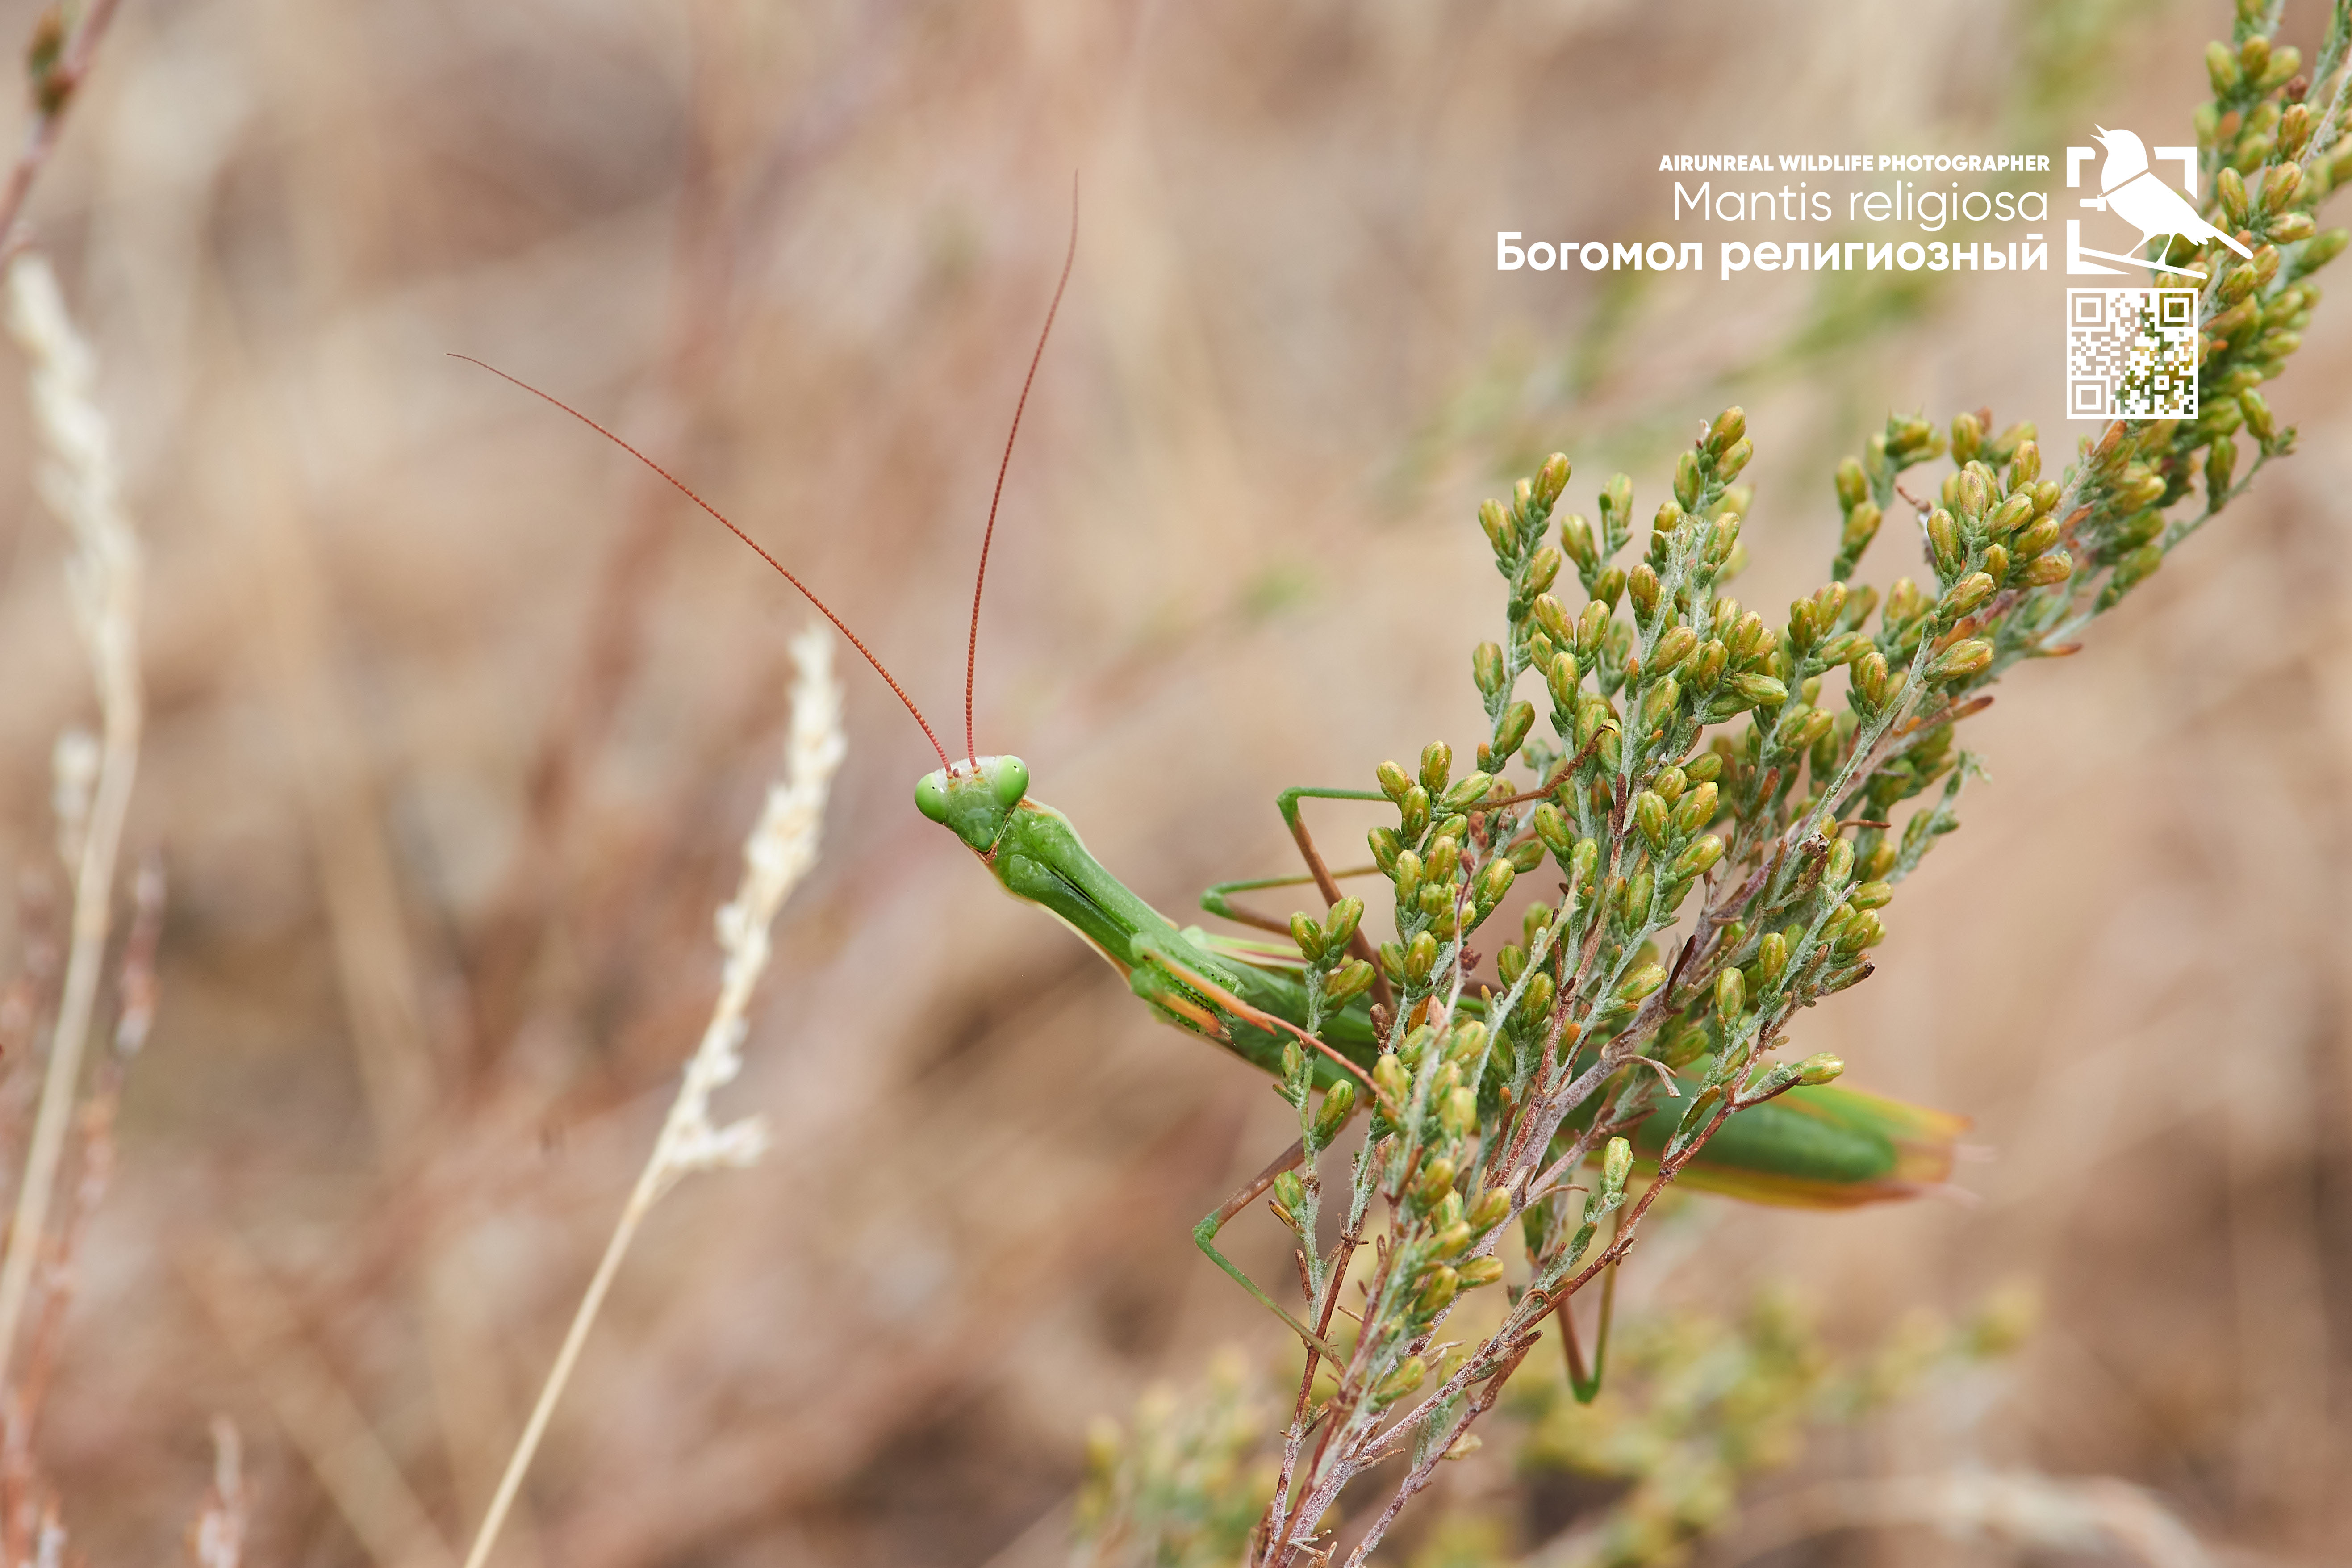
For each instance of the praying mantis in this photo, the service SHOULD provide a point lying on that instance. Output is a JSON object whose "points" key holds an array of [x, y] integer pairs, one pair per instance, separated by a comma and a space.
{"points": [[1814, 1144]]}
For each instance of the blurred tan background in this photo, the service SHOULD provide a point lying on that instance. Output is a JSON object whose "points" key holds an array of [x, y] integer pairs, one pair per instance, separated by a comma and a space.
{"points": [[457, 722]]}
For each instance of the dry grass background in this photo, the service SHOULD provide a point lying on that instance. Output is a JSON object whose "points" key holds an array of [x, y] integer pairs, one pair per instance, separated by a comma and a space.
{"points": [[457, 723]]}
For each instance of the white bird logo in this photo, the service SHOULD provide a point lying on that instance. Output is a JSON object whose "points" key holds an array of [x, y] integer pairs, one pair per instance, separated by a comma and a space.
{"points": [[2139, 197]]}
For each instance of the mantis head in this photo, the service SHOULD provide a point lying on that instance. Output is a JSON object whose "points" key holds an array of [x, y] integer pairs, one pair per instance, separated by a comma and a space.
{"points": [[974, 800]]}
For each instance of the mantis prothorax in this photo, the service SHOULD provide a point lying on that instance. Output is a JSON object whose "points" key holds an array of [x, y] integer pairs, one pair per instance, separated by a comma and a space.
{"points": [[1820, 1146]]}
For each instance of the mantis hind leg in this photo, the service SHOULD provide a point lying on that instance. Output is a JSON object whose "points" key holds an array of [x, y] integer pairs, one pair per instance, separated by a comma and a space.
{"points": [[1581, 1383], [1204, 1237], [1325, 880]]}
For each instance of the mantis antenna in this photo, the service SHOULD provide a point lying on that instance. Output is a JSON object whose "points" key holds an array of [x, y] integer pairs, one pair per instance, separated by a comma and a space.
{"points": [[683, 488], [980, 578]]}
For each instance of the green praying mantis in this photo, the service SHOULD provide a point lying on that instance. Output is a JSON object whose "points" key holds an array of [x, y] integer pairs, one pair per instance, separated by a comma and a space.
{"points": [[1815, 1145]]}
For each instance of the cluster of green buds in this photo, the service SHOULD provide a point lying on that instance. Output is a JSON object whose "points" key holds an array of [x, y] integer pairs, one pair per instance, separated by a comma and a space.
{"points": [[1722, 793]]}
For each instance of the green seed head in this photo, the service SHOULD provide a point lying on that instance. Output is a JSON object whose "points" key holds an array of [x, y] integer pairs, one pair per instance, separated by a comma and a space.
{"points": [[974, 804]]}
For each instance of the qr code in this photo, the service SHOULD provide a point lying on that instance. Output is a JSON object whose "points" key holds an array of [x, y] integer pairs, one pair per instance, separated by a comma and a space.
{"points": [[2131, 353]]}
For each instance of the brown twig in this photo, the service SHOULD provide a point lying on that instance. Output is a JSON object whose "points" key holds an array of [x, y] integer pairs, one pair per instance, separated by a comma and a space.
{"points": [[54, 87]]}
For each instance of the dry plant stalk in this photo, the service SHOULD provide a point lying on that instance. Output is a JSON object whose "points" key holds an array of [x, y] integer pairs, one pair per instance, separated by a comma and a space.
{"points": [[781, 847], [103, 574]]}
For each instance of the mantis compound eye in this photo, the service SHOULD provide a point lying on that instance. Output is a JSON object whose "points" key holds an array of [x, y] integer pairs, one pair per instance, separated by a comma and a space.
{"points": [[1009, 780], [931, 795]]}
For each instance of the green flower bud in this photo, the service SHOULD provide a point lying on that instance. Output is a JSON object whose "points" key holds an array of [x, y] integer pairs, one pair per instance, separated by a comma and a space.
{"points": [[2031, 542], [1561, 681], [2321, 248], [1672, 647], [1420, 958], [1436, 767], [1700, 857], [1659, 703], [1853, 485], [1696, 809], [2044, 570], [1642, 981], [1457, 1112], [2255, 56], [1641, 584], [1967, 594], [2287, 230], [1758, 690], [1686, 481], [1497, 524], [1616, 1164], [1493, 880], [1963, 658], [1413, 812], [1309, 935], [1293, 1059], [1408, 878], [1468, 791], [2222, 66], [1518, 720], [1444, 859], [1872, 896], [1707, 667], [1550, 480], [1543, 570], [1553, 616], [1730, 996], [1819, 1069], [1771, 958], [1728, 427], [1511, 963], [2024, 466], [1348, 982], [1407, 1377], [1968, 434], [1340, 924], [1438, 1291], [2258, 416], [1436, 1180], [1394, 783], [1536, 1003], [1576, 538], [1493, 1208], [2280, 184], [1581, 863], [1944, 542], [1552, 828], [1383, 842], [1486, 667], [2231, 187], [1479, 1271], [1860, 527], [1859, 931], [1436, 901], [1727, 467], [1392, 955]]}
